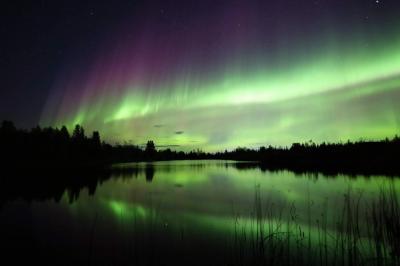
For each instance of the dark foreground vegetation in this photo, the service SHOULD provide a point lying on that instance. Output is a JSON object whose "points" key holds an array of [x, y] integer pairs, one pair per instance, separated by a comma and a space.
{"points": [[360, 235], [57, 148]]}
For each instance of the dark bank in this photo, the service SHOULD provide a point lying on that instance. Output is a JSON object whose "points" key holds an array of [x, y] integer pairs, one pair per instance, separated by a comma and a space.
{"points": [[45, 148]]}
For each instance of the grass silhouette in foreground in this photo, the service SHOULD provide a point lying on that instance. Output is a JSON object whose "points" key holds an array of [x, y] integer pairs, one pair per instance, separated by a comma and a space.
{"points": [[57, 148], [361, 235]]}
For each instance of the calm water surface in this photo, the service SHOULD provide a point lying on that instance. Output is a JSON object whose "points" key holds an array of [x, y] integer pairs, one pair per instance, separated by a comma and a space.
{"points": [[189, 212]]}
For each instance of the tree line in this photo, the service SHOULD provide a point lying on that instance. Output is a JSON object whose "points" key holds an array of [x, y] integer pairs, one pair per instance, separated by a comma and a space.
{"points": [[56, 147]]}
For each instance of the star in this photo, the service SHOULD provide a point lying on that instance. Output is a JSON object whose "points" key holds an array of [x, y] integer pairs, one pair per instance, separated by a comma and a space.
{"points": [[377, 1]]}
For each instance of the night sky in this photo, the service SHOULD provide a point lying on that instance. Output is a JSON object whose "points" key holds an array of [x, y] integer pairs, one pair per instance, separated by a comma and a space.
{"points": [[204, 74]]}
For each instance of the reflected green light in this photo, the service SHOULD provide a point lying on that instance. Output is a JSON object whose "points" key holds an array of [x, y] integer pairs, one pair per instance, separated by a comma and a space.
{"points": [[221, 200], [125, 210]]}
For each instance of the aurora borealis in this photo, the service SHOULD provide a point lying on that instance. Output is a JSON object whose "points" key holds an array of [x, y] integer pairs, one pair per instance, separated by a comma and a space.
{"points": [[220, 74]]}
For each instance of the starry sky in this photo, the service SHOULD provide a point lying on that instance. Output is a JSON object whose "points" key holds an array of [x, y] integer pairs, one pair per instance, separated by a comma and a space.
{"points": [[208, 75]]}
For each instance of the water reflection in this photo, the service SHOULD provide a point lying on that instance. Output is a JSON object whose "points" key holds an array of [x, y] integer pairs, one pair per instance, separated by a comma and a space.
{"points": [[188, 212], [149, 171]]}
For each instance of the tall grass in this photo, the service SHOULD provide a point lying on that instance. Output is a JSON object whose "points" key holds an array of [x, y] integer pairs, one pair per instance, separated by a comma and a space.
{"points": [[360, 235]]}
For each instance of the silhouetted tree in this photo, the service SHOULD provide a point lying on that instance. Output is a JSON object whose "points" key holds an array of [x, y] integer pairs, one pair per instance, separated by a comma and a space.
{"points": [[7, 127], [150, 150], [96, 138], [64, 133], [150, 146], [78, 133]]}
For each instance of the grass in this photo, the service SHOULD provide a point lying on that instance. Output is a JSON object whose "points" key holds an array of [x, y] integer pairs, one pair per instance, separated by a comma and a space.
{"points": [[360, 235]]}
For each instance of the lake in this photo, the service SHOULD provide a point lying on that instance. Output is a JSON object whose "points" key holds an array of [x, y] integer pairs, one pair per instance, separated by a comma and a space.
{"points": [[204, 213]]}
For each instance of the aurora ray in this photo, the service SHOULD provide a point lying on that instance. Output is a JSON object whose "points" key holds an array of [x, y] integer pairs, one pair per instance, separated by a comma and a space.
{"points": [[237, 79]]}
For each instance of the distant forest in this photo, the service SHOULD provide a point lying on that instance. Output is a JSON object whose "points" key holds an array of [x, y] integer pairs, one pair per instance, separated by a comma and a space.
{"points": [[58, 148]]}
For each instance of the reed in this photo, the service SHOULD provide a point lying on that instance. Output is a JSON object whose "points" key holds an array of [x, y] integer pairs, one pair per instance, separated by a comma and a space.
{"points": [[361, 235]]}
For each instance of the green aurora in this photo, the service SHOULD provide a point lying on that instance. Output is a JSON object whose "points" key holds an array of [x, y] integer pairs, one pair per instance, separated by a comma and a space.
{"points": [[324, 87]]}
